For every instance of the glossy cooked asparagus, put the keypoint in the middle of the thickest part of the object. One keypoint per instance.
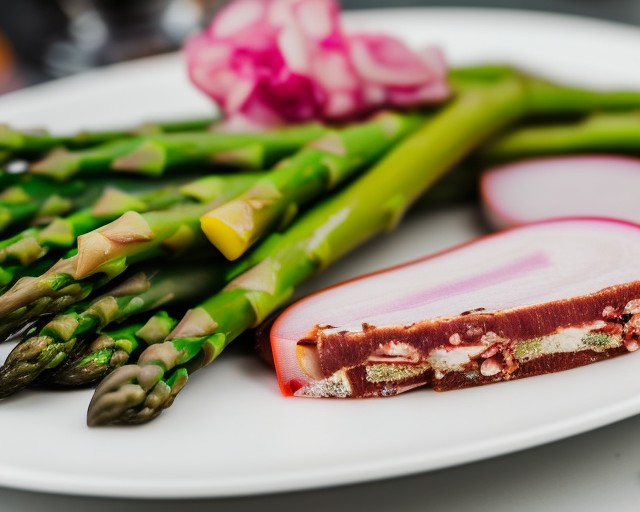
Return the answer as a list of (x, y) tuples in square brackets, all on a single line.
[(144, 291), (137, 237), (31, 200), (153, 155), (18, 143), (604, 132), (102, 255), (19, 252)]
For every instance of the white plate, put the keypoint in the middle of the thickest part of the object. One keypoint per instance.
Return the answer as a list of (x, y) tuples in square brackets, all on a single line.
[(230, 432)]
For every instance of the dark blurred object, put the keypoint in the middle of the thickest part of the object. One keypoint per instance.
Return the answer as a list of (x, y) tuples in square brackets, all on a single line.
[(61, 37), (106, 31), (30, 26), (133, 29)]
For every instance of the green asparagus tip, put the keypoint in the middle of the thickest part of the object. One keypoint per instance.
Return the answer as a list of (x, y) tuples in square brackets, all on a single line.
[(25, 362), (104, 355), (120, 398), (59, 165)]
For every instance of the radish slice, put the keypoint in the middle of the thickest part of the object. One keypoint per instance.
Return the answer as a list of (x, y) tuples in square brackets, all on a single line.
[(531, 300), (545, 188), (277, 61)]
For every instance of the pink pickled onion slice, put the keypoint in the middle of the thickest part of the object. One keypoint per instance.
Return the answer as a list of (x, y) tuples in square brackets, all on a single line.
[(545, 188), (387, 61), (277, 61)]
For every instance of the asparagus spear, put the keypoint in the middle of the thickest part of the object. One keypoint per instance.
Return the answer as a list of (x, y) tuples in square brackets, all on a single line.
[(144, 291), (323, 164), (602, 132), (23, 249), (26, 143), (153, 155), (488, 100)]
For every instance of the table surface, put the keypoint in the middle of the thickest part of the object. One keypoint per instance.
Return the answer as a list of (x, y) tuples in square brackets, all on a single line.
[(596, 471)]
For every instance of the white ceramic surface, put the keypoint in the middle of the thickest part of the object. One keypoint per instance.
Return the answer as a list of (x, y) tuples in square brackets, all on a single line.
[(230, 432)]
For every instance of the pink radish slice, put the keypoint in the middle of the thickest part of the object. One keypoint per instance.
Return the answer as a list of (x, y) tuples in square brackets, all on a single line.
[(465, 312), (545, 188)]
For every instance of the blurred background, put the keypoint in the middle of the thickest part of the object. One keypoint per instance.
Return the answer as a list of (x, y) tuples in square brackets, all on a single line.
[(45, 39)]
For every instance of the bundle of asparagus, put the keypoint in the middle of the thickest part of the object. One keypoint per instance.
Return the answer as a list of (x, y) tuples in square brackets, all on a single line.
[(147, 238), (49, 266)]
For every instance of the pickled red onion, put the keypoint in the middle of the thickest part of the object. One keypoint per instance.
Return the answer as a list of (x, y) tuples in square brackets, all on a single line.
[(278, 61)]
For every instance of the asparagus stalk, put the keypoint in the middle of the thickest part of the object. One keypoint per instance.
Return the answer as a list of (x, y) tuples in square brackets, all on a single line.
[(30, 245), (602, 132), (155, 154), (322, 165), (266, 279), (548, 98), (144, 291), (26, 143)]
